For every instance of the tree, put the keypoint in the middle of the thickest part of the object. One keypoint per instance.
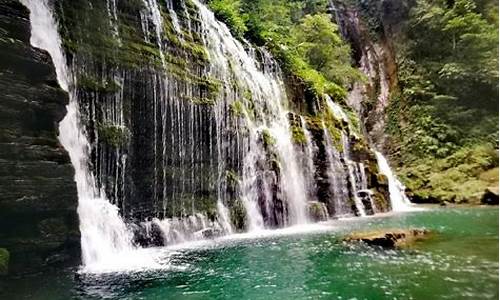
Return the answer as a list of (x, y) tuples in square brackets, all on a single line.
[(318, 41)]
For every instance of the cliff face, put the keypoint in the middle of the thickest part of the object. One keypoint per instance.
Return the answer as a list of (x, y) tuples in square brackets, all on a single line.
[(440, 127), (371, 28), (167, 116), (38, 198), (188, 132)]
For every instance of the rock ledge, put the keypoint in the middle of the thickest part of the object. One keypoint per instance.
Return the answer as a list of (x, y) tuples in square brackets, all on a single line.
[(392, 238)]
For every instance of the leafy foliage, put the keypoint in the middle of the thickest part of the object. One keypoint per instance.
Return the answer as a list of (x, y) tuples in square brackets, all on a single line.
[(229, 13), (300, 34), (448, 105), (319, 43)]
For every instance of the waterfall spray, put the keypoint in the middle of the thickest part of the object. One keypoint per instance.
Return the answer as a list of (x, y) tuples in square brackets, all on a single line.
[(399, 200), (239, 130), (231, 62), (103, 232)]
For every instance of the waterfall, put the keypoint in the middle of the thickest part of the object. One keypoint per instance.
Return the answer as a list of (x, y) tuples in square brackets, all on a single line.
[(336, 109), (353, 171), (309, 168), (267, 124), (206, 136), (336, 176), (399, 200), (176, 230), (103, 232)]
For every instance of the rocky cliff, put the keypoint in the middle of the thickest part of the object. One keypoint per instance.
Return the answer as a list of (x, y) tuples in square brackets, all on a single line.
[(431, 100), (38, 198), (188, 130)]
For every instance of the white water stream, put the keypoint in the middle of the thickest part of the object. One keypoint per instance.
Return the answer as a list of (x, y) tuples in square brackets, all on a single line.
[(104, 235), (399, 200), (231, 62), (106, 241)]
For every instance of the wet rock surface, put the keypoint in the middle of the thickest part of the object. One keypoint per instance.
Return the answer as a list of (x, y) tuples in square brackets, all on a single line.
[(490, 196), (391, 238), (317, 211), (38, 198)]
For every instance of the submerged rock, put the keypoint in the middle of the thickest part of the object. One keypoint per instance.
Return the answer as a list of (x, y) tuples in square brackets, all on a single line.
[(397, 238)]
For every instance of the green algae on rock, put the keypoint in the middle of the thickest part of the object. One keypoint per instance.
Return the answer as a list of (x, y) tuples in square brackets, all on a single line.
[(389, 238)]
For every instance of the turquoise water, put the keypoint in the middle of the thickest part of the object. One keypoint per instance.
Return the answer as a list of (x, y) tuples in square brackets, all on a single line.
[(459, 262)]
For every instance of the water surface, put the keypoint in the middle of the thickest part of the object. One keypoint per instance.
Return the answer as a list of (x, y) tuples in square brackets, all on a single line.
[(459, 262)]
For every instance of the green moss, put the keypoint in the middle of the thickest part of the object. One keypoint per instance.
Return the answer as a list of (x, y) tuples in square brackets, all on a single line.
[(232, 178), (94, 85), (334, 127), (267, 138), (354, 123), (191, 7), (237, 108), (86, 31), (113, 135), (4, 261), (249, 103), (210, 84), (298, 135), (336, 135), (237, 214)]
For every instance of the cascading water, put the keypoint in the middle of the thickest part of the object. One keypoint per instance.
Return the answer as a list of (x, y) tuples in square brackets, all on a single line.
[(104, 234), (355, 171), (399, 200), (200, 141), (230, 62), (310, 150)]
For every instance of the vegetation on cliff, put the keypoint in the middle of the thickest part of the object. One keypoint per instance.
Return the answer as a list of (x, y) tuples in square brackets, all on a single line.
[(444, 121), (301, 34), (4, 261), (442, 115)]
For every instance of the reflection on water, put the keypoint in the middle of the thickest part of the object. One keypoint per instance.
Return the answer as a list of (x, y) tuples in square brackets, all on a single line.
[(460, 262)]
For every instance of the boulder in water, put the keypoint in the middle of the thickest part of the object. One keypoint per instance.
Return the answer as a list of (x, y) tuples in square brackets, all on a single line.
[(394, 238), (317, 211), (208, 233), (366, 198)]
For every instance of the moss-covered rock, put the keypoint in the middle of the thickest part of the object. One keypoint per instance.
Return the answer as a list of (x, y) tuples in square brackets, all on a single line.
[(237, 215), (4, 261), (94, 85), (317, 211), (113, 135), (389, 238)]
